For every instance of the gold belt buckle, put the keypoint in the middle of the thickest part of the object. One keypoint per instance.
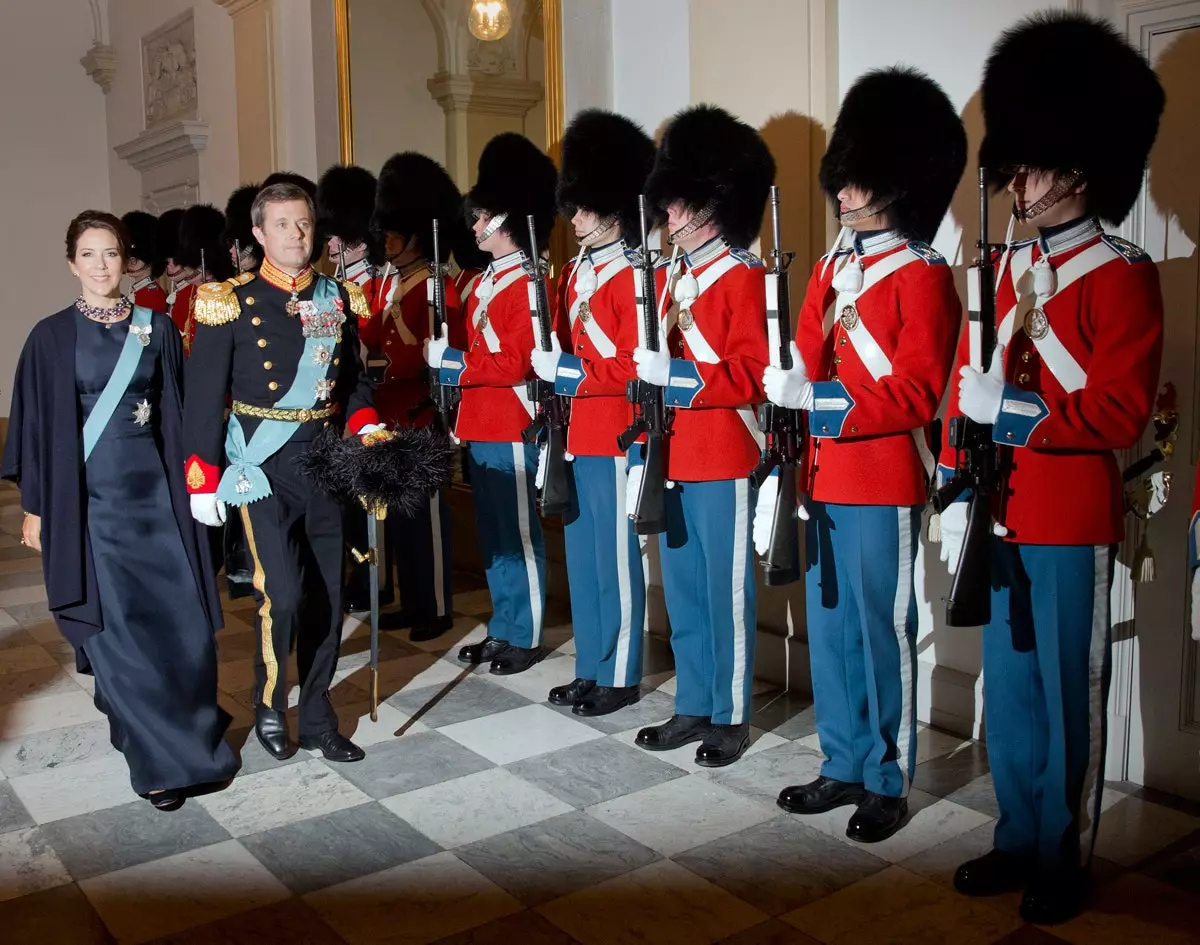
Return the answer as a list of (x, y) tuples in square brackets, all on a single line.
[(304, 415)]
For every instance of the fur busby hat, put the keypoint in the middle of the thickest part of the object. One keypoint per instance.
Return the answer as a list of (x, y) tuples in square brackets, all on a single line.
[(467, 253), (200, 228), (166, 240), (345, 198), (142, 230), (898, 137), (1106, 100), (516, 178), (606, 159), (239, 227), (413, 191), (708, 156)]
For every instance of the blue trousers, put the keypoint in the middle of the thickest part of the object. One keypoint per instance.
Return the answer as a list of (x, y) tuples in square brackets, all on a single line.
[(709, 582), (862, 626), (510, 539), (1046, 666), (604, 570), (421, 550)]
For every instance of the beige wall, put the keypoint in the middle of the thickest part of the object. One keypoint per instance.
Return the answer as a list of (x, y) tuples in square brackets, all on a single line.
[(393, 53), (55, 161)]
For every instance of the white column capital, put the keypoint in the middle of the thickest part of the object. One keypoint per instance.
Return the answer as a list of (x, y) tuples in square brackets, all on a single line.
[(489, 95), (236, 7), (100, 63)]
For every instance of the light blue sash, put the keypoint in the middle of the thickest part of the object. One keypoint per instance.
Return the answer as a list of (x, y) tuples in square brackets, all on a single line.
[(244, 481), (118, 381)]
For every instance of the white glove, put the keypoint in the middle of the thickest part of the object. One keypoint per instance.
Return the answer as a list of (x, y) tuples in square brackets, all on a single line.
[(791, 389), (954, 532), (371, 428), (764, 513), (1196, 604), (653, 367), (545, 363), (979, 395), (633, 485), (207, 509), (539, 476), (436, 347)]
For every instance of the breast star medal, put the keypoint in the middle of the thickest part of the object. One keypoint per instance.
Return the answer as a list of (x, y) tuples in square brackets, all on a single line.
[(322, 354), (141, 413), (324, 388)]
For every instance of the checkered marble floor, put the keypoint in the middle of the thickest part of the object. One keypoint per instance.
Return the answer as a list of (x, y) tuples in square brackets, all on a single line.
[(482, 815)]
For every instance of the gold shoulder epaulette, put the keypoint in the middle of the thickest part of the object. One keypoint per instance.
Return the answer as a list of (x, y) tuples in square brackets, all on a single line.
[(358, 300), (241, 278), (216, 304)]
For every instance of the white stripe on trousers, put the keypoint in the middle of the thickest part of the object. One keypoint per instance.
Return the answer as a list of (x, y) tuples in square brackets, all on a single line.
[(521, 478), (624, 635), (1097, 652), (741, 526), (435, 523), (900, 608)]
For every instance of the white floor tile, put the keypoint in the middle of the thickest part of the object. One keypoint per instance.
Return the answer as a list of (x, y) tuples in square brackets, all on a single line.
[(81, 788), (519, 733)]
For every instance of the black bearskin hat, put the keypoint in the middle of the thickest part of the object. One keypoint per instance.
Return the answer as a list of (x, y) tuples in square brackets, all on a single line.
[(166, 240), (287, 177), (898, 137), (238, 225), (606, 159), (1106, 104), (200, 228), (414, 190), (516, 178), (706, 156), (345, 197), (141, 228), (467, 253)]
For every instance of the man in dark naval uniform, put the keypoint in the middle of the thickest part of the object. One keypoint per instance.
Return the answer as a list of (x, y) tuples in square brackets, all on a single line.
[(283, 344)]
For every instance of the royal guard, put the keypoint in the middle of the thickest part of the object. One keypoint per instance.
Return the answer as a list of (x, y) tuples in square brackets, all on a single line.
[(1073, 378), (166, 269), (141, 254), (711, 178), (345, 195), (515, 180), (281, 345), (202, 258), (238, 236), (413, 191), (605, 161), (876, 337)]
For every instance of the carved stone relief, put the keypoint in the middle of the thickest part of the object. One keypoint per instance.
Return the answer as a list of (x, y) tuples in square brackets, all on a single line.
[(169, 71)]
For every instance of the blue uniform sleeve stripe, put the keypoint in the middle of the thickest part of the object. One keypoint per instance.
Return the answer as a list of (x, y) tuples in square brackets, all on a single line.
[(1020, 413), (453, 364), (569, 376), (832, 404), (684, 383)]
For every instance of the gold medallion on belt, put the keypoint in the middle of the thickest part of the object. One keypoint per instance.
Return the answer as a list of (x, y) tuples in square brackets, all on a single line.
[(849, 318), (1037, 325)]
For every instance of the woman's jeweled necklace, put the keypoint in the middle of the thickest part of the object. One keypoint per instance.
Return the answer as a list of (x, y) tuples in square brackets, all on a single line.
[(105, 316)]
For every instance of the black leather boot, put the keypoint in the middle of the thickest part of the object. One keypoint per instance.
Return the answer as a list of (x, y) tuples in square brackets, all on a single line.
[(604, 700), (877, 818), (516, 659), (483, 652), (820, 795), (724, 745), (572, 692), (677, 731)]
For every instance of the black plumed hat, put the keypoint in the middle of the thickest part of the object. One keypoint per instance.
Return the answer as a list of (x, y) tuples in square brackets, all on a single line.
[(1106, 104), (898, 137), (516, 178), (200, 229), (142, 230), (606, 159), (413, 191), (708, 156), (166, 240), (239, 227), (345, 199)]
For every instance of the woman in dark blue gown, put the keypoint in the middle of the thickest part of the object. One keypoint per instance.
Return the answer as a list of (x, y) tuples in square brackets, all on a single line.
[(127, 578)]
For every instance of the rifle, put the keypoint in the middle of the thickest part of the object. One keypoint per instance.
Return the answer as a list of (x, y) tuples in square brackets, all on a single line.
[(443, 398), (649, 514), (340, 272), (237, 256), (785, 429), (551, 415), (977, 457)]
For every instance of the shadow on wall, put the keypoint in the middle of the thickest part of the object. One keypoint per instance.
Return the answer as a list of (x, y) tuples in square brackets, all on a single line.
[(1174, 191), (793, 139)]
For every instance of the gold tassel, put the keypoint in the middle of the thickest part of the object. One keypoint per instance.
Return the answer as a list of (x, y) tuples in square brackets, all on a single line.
[(358, 300), (216, 304), (1144, 570)]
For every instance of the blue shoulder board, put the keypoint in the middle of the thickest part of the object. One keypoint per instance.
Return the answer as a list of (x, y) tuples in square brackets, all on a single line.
[(633, 255), (745, 256), (926, 252), (1020, 244), (1131, 252)]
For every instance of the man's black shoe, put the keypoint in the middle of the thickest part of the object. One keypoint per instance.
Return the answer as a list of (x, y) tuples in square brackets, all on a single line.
[(270, 725), (516, 659), (820, 795), (724, 745), (604, 700), (996, 872), (877, 818), (483, 652), (677, 731), (572, 692), (333, 745)]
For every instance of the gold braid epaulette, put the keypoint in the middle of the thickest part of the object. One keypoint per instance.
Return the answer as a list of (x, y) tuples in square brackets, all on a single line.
[(216, 303), (358, 300)]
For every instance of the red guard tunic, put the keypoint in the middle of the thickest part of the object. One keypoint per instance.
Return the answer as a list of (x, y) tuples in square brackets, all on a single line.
[(148, 294), (719, 350), (599, 329), (395, 341), (183, 315), (1081, 369), (879, 353), (493, 364)]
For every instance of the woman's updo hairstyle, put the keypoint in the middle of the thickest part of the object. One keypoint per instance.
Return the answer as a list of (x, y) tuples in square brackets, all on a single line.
[(96, 220)]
